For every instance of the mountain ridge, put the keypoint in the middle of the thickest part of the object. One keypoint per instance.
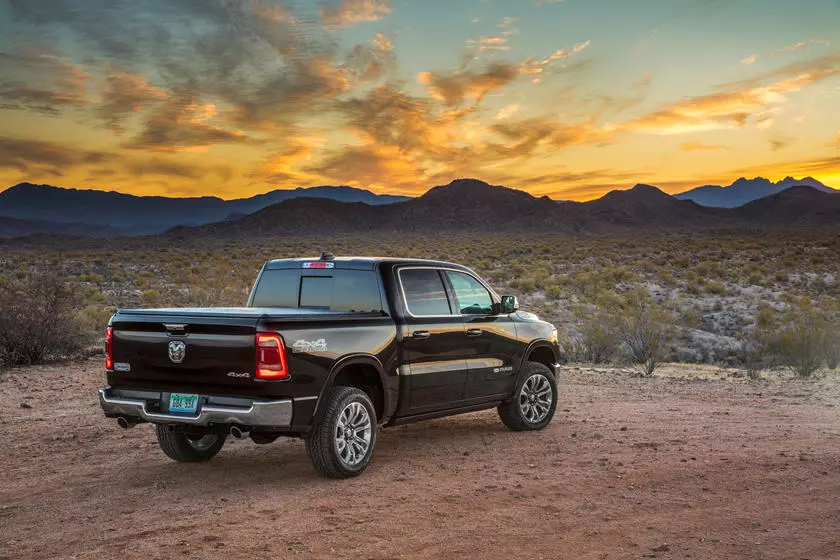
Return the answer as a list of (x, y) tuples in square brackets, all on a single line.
[(153, 214), (474, 205), (743, 191)]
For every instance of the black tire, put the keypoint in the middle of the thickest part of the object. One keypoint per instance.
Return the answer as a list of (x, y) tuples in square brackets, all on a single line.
[(322, 444), (512, 414), (181, 447)]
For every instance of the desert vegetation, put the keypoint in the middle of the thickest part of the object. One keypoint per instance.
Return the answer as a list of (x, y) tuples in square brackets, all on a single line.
[(747, 300)]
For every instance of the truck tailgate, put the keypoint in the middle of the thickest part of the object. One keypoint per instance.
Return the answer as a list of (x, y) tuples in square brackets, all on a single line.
[(214, 347)]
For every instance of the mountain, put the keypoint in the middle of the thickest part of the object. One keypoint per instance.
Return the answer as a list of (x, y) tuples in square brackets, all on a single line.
[(800, 206), (645, 206), (12, 227), (744, 190), (472, 205), (151, 214), (463, 204)]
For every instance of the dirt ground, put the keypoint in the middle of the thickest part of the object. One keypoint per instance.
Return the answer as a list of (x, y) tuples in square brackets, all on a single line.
[(694, 464)]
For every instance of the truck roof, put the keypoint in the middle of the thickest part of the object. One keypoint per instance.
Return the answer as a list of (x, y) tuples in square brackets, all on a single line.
[(359, 263)]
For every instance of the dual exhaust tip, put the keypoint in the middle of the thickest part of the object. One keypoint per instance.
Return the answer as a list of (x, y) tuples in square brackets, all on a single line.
[(126, 423)]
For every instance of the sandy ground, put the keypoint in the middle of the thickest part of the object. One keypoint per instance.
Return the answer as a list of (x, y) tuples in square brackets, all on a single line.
[(691, 465)]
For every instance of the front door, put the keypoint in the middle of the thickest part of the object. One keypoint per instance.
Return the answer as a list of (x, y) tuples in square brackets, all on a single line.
[(492, 348), (432, 342)]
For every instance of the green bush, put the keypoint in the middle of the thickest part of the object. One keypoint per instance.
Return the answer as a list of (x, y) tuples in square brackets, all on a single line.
[(801, 338)]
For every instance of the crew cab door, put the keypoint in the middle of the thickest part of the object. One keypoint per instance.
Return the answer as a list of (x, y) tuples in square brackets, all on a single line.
[(432, 342), (490, 342)]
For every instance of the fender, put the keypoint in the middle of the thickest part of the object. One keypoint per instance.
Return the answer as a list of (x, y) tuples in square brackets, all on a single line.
[(538, 343), (348, 360)]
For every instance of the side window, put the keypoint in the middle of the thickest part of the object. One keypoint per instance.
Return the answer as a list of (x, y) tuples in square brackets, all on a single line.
[(424, 292), (473, 298), (356, 291)]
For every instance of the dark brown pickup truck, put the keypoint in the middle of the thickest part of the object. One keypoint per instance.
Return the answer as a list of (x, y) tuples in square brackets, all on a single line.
[(330, 349)]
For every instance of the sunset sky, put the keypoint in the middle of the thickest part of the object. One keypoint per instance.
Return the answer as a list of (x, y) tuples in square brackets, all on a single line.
[(567, 98)]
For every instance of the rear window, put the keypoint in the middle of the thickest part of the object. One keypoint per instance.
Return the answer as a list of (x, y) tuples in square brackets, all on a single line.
[(336, 290)]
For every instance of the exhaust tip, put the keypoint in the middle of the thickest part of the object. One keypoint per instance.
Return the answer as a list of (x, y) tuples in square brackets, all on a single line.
[(237, 432), (124, 423)]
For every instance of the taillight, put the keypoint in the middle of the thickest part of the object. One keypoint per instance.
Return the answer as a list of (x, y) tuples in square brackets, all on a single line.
[(109, 356), (271, 357)]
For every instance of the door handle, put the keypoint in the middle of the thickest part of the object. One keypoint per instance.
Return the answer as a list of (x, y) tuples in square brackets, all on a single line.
[(420, 335), (474, 332)]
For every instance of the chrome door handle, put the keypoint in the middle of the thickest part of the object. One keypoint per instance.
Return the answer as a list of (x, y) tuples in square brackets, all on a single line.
[(420, 335), (474, 332)]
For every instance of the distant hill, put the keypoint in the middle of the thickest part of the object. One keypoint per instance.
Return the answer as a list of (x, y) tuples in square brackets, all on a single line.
[(151, 214), (744, 190), (464, 204), (645, 206), (795, 207), (12, 227), (471, 205)]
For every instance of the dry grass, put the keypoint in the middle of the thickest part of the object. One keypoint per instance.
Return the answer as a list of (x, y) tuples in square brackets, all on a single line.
[(714, 283)]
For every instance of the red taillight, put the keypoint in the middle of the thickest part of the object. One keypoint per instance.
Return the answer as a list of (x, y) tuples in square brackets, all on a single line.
[(271, 357), (109, 356)]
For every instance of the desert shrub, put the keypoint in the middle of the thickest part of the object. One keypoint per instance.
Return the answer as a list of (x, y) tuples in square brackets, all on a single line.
[(644, 328), (597, 334), (832, 350), (800, 338), (38, 320), (715, 287)]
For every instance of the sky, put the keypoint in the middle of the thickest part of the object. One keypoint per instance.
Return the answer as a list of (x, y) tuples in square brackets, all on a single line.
[(566, 98)]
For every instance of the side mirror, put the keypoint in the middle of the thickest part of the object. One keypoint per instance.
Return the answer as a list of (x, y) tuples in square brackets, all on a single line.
[(510, 304)]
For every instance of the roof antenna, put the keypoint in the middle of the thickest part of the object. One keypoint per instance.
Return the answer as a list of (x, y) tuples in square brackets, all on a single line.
[(327, 256)]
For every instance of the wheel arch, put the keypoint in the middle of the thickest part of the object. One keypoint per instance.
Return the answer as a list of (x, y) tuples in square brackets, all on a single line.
[(540, 351), (363, 371)]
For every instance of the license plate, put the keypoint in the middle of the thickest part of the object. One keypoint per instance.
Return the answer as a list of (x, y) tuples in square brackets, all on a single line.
[(179, 402)]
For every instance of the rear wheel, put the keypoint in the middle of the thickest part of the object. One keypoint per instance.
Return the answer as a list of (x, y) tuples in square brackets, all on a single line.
[(534, 401), (184, 447), (341, 445)]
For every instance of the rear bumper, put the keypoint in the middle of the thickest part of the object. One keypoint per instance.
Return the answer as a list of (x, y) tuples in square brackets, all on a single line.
[(215, 410)]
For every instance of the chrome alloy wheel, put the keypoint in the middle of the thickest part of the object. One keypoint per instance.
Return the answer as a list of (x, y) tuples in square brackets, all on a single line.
[(535, 398), (352, 434)]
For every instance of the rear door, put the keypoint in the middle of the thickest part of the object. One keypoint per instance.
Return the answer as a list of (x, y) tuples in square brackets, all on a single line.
[(432, 342), (490, 342)]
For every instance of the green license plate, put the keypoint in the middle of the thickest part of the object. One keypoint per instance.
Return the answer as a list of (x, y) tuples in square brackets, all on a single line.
[(179, 402)]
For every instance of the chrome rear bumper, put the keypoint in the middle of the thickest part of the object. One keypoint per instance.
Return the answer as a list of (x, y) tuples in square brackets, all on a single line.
[(218, 410)]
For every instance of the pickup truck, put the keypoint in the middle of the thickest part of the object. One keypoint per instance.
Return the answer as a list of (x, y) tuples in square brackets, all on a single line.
[(330, 350)]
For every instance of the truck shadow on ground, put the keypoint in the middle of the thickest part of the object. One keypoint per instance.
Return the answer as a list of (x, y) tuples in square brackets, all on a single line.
[(243, 464)]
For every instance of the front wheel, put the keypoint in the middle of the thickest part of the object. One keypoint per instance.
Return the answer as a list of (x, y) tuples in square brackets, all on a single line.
[(184, 447), (534, 401), (341, 445)]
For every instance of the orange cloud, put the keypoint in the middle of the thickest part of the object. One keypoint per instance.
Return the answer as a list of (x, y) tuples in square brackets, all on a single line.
[(749, 60), (370, 165), (370, 61), (537, 66), (284, 166), (724, 110), (46, 82), (452, 89), (181, 125), (349, 12), (694, 147), (123, 94)]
